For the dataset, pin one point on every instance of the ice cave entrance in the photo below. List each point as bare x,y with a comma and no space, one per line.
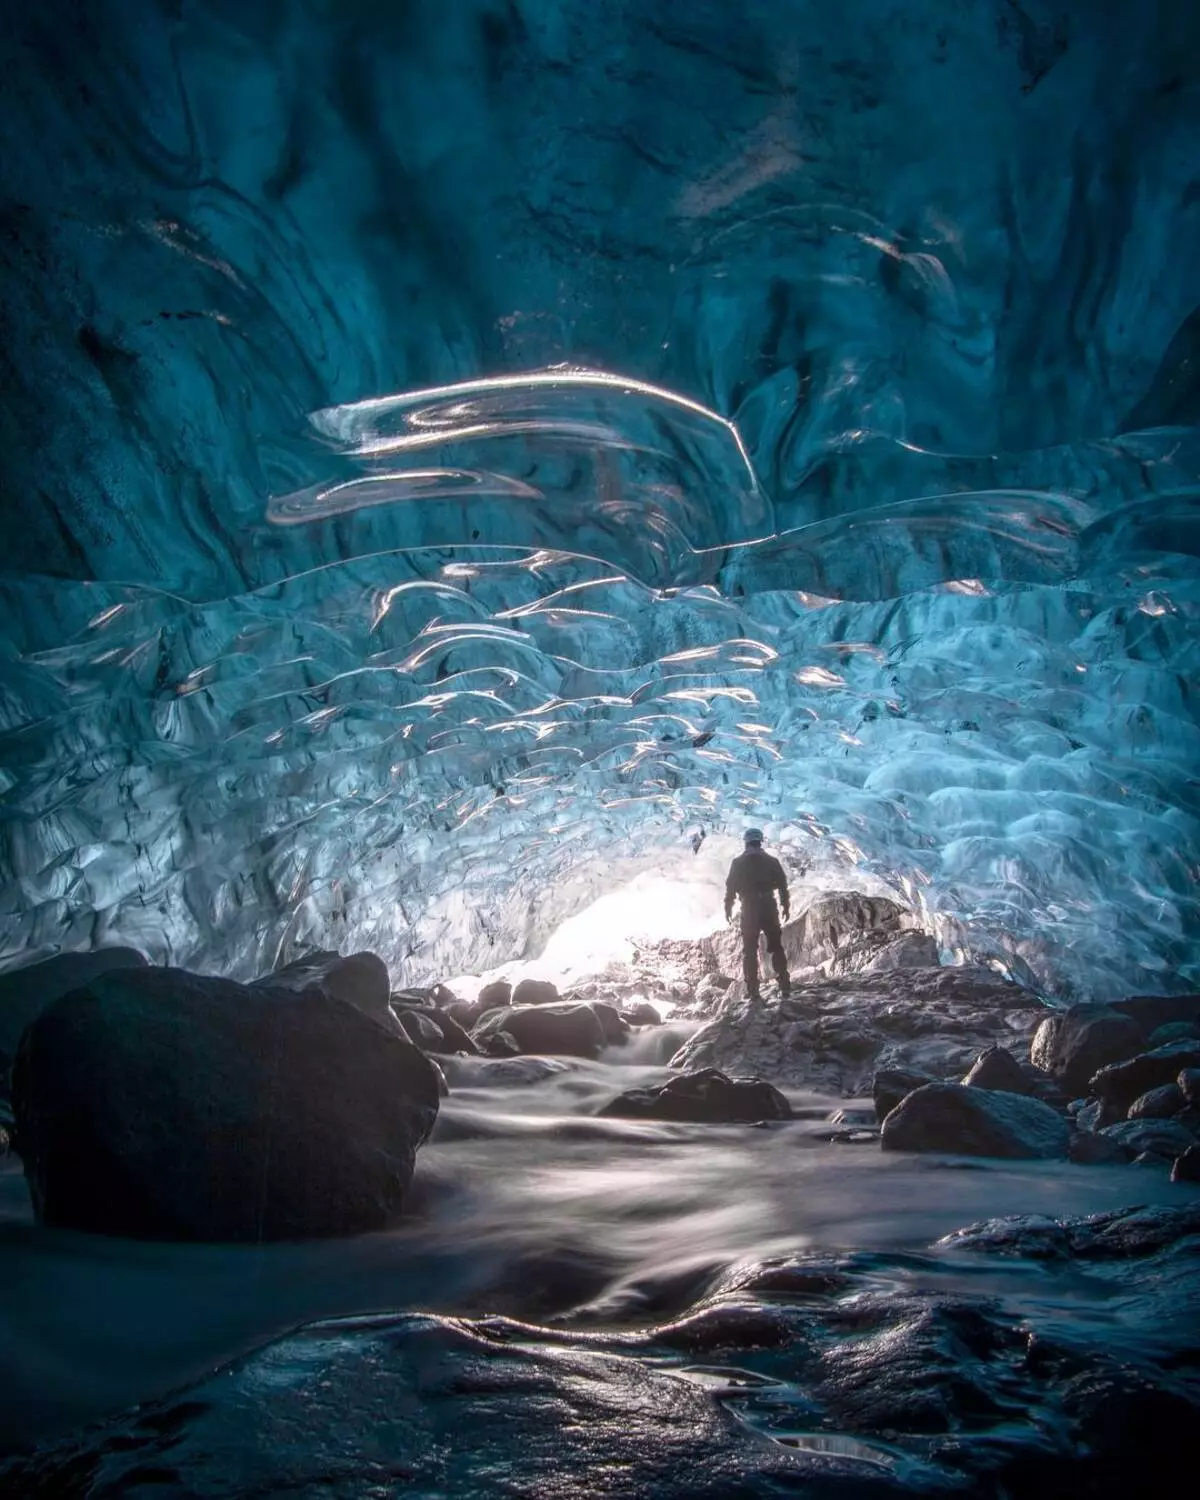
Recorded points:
677,899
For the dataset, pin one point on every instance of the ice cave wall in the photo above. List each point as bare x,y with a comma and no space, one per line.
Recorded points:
333,612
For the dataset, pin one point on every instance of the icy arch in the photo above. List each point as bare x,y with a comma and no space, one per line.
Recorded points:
456,456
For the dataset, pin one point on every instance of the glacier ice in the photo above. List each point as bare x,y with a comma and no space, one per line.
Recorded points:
454,454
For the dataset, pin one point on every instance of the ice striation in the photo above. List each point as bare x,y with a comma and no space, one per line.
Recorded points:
455,453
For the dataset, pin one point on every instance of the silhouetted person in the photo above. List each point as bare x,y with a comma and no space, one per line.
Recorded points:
754,877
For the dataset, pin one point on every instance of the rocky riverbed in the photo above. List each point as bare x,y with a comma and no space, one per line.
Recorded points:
907,1232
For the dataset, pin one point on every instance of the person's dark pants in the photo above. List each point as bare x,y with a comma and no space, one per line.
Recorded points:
765,922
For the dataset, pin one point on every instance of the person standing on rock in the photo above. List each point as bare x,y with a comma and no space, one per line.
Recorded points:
753,879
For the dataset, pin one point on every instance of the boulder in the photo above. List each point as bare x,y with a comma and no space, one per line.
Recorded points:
554,1030
837,918
974,1122
434,1030
1189,1084
25,993
358,979
1073,1044
493,996
1157,1104
707,1097
1120,1083
711,990
997,1068
535,992
641,1014
912,950
890,1085
1187,1165
420,1029
1162,1138
498,1044
613,1024
1095,1114
1173,1031
1152,1011
1087,1149
160,1104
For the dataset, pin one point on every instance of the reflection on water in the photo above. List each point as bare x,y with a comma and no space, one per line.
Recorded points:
524,1203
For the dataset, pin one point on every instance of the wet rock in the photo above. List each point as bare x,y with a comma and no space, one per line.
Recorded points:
612,1023
1121,1083
564,1030
1152,1011
1162,1138
161,1104
1095,1114
1086,1148
434,1031
1075,1043
1173,1031
711,989
997,1068
707,1097
833,1035
1189,1084
25,993
974,1122
427,1407
358,979
837,918
1117,1234
890,1085
419,1029
497,1043
494,996
1186,1167
535,992
913,950
642,1014
1157,1104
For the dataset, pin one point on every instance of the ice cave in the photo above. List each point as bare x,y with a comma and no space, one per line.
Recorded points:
463,463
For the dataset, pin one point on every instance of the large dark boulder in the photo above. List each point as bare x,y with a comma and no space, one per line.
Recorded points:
1150,1012
535,992
493,996
641,1014
552,1030
1158,1104
1165,1138
974,1122
1074,1043
1189,1084
433,1031
1187,1165
706,1097
166,1105
890,1085
25,993
1121,1083
612,1022
997,1068
358,979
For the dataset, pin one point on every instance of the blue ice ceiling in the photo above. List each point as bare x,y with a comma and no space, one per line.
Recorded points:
448,448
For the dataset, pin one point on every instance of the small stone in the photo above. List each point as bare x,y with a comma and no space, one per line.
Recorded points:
1189,1084
642,1014
997,1068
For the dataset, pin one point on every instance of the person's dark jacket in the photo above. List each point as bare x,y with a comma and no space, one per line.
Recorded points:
754,877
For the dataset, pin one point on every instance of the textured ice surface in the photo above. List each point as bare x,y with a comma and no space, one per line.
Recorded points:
449,450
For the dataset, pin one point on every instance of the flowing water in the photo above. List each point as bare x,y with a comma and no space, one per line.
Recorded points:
524,1203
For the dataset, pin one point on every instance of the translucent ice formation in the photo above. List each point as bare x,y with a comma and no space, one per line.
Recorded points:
454,456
